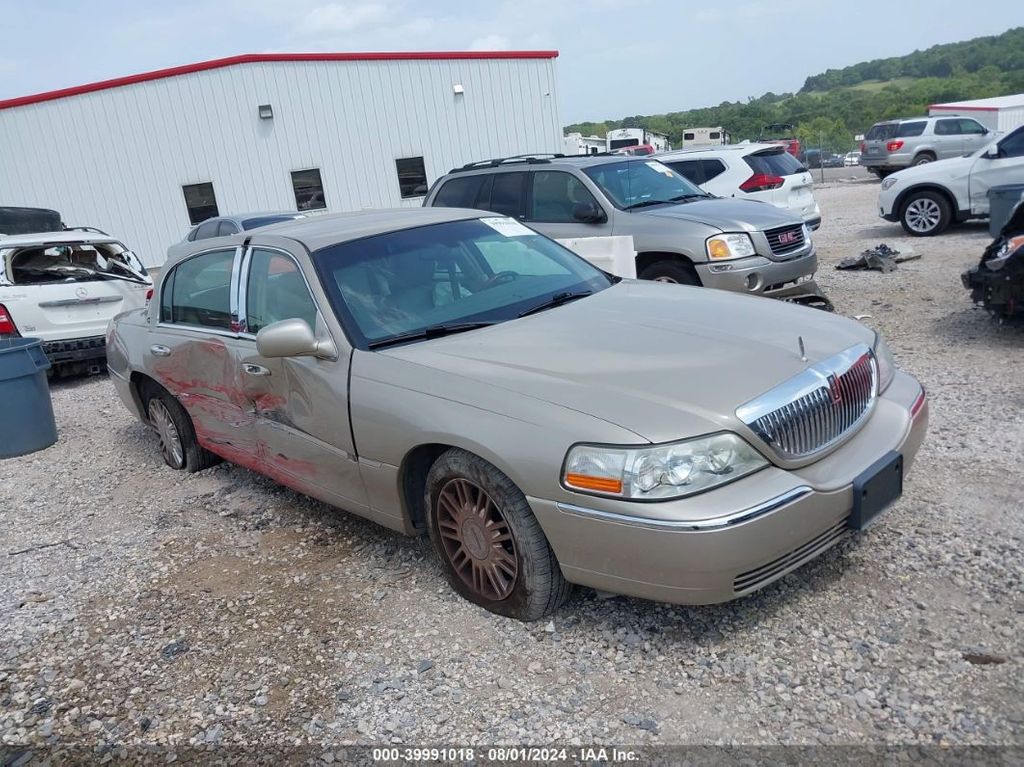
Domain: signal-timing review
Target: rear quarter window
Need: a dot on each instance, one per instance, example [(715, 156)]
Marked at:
[(909, 130), (458, 192), (881, 132)]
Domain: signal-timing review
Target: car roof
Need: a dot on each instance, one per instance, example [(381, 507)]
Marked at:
[(69, 236), (316, 232), (751, 148), (239, 217)]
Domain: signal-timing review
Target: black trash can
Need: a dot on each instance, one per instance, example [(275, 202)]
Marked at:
[(1001, 202), (26, 412)]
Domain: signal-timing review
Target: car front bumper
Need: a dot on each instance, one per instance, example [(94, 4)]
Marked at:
[(757, 275), (728, 542)]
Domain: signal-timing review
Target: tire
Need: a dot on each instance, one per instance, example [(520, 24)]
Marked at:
[(923, 159), (519, 576), (178, 444), (924, 214), (670, 271)]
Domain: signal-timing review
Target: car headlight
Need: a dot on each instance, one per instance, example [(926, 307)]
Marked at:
[(886, 364), (889, 183), (807, 235), (660, 472), (724, 246)]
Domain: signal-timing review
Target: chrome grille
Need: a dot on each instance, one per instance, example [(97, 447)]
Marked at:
[(785, 239), (817, 408)]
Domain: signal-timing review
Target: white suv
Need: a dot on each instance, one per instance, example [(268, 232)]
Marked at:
[(928, 198), (765, 172), (64, 287)]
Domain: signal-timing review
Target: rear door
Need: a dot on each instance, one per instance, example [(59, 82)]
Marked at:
[(54, 297), (948, 139), (299, 404), (194, 352)]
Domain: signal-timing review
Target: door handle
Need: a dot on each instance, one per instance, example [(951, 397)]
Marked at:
[(255, 370), (159, 350)]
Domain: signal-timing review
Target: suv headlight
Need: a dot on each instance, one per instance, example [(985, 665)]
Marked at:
[(723, 246), (886, 364), (889, 183), (660, 472)]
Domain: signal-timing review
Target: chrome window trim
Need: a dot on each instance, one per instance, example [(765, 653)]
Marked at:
[(243, 289), (691, 525), (165, 277)]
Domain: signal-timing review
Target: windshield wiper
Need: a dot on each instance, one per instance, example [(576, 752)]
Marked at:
[(432, 331), (646, 203), (556, 300), (684, 197)]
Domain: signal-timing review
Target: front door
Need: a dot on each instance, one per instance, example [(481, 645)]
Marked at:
[(987, 172), (554, 201), (300, 404)]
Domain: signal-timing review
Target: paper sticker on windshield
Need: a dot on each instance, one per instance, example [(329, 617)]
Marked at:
[(659, 167), (507, 227)]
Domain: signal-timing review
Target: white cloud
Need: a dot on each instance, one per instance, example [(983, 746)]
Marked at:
[(342, 17), (490, 42)]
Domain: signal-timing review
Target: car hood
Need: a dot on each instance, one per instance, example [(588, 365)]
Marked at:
[(727, 214), (663, 361)]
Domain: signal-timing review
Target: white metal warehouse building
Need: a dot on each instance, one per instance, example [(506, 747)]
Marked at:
[(999, 113), (144, 157)]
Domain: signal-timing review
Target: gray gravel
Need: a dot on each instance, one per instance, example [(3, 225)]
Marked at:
[(219, 608)]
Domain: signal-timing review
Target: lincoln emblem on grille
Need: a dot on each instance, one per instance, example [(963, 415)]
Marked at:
[(834, 390), (785, 238)]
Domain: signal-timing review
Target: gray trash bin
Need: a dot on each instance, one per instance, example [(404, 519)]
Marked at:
[(26, 412), (1001, 202)]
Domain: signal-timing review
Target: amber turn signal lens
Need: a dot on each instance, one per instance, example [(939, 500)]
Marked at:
[(601, 484), (719, 249)]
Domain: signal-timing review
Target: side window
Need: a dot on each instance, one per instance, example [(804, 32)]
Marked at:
[(200, 290), (226, 228), (555, 194), (507, 192), (276, 291), (714, 135), (458, 192), (909, 130), (1012, 145), (691, 170), (200, 202), (688, 137), (947, 127), (972, 127), (207, 230), (712, 168)]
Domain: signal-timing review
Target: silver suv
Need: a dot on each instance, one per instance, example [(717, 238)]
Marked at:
[(681, 234), (895, 144)]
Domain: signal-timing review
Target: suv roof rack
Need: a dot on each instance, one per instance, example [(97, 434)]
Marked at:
[(529, 159)]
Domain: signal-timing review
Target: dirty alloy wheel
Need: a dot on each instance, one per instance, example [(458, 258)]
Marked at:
[(669, 271), (925, 214), (923, 159), (491, 547), (173, 426)]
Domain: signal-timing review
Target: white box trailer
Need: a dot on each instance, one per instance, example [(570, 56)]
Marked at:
[(577, 143), (704, 137), (1000, 113), (623, 138)]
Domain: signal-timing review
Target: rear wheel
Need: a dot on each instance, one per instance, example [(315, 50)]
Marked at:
[(178, 444), (670, 271), (925, 214), (490, 544), (924, 158)]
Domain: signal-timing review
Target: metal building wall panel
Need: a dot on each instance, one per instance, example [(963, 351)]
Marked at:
[(117, 158)]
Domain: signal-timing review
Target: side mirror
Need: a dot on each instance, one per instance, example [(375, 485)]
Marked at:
[(992, 152), (588, 213), (292, 338)]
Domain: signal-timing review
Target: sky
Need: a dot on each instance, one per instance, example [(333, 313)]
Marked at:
[(617, 57)]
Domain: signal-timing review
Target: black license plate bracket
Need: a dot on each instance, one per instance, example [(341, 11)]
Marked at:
[(875, 489)]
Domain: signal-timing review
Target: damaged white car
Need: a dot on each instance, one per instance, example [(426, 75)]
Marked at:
[(64, 287)]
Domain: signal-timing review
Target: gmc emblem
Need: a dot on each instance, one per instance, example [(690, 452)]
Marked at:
[(835, 392), (785, 238)]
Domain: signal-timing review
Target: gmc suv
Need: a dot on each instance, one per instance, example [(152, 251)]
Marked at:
[(680, 233), (894, 144)]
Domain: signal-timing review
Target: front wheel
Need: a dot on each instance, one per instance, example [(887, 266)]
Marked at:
[(490, 544), (925, 214), (670, 271)]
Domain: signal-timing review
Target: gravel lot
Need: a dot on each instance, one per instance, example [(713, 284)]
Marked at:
[(218, 608)]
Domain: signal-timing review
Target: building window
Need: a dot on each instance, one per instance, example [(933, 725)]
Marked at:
[(309, 189), (412, 176), (200, 202)]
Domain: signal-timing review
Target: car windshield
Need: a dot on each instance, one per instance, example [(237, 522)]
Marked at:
[(449, 277), (638, 183)]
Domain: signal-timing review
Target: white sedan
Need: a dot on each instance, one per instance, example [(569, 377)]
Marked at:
[(926, 199), (765, 172), (64, 287)]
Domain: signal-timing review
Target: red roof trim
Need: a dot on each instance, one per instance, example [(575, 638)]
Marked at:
[(258, 58), (962, 109)]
